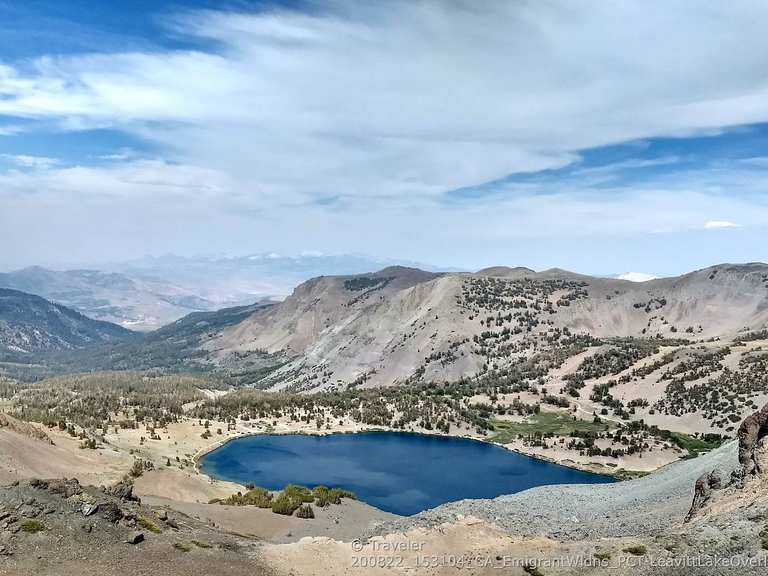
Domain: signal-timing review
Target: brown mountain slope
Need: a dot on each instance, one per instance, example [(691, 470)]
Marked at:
[(402, 324)]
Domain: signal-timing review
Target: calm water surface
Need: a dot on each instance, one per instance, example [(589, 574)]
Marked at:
[(398, 472)]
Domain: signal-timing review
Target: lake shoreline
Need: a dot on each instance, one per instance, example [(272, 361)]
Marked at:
[(618, 475), (404, 456)]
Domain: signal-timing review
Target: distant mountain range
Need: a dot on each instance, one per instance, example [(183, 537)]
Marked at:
[(30, 324), (151, 292)]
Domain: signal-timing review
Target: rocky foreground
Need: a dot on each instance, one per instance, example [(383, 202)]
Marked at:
[(61, 528)]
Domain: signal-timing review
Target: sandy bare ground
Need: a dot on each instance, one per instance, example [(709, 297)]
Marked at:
[(468, 547), (344, 522), (25, 457), (183, 486)]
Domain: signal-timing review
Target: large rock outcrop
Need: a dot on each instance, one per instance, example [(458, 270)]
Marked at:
[(753, 461), (751, 434)]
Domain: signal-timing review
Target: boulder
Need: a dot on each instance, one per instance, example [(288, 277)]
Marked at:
[(111, 512), (88, 509), (703, 490), (124, 491), (135, 538), (172, 523), (64, 487)]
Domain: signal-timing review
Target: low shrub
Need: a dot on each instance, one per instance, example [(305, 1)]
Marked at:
[(147, 524), (32, 526), (299, 493), (325, 496), (256, 496), (284, 505), (638, 550), (305, 511)]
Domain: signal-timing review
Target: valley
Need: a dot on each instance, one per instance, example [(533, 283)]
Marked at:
[(600, 374), (623, 379)]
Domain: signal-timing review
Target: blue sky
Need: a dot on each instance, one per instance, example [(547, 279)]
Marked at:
[(601, 137)]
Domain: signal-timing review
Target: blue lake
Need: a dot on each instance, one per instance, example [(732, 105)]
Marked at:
[(398, 472)]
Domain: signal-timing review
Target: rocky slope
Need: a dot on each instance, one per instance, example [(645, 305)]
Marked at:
[(402, 324), (60, 527), (30, 324)]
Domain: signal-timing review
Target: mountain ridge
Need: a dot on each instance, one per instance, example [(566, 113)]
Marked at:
[(30, 324), (387, 330), (148, 293)]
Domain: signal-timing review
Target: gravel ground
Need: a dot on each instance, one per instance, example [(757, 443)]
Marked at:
[(575, 512)]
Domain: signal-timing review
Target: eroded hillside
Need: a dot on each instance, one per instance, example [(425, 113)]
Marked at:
[(400, 323)]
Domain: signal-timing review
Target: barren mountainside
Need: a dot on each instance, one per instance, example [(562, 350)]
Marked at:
[(402, 324)]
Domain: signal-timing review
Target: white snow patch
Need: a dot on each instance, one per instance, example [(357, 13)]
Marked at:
[(636, 276)]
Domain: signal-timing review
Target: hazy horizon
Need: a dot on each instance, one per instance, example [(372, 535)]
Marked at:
[(380, 261)]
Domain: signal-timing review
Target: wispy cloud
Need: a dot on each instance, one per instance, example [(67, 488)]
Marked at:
[(33, 162), (720, 224), (9, 129), (385, 108), (414, 98)]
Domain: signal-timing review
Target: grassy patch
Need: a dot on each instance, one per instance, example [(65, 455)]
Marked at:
[(182, 546), (638, 550), (200, 544), (554, 423), (32, 526), (147, 524), (693, 445), (622, 474), (602, 556)]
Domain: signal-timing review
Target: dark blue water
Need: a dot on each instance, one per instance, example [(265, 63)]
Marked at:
[(395, 471)]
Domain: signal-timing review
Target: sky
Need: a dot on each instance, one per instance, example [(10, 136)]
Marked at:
[(602, 137)]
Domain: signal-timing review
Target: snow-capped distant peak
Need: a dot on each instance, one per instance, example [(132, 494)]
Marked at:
[(636, 276)]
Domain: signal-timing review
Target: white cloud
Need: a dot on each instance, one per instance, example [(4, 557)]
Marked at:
[(32, 162), (138, 180), (720, 224), (383, 107), (413, 98)]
